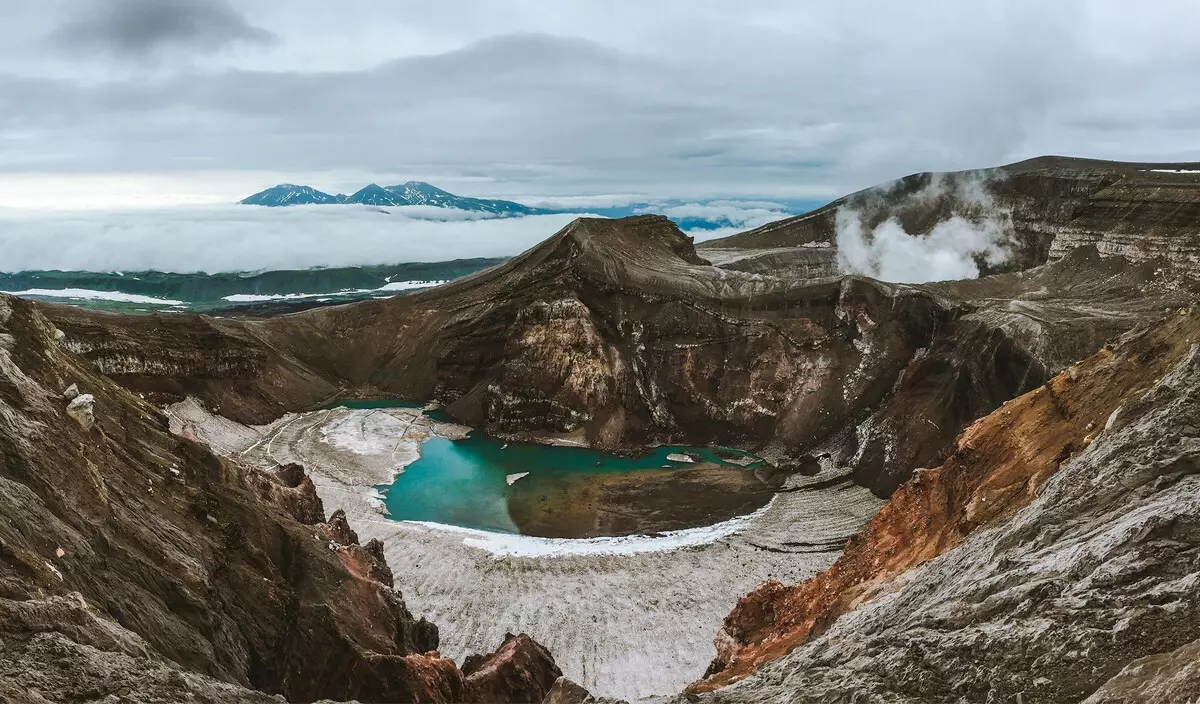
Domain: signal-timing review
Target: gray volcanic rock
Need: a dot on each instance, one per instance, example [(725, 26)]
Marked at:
[(1089, 589), (1171, 678)]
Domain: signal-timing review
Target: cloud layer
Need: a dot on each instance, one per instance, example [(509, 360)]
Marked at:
[(244, 238)]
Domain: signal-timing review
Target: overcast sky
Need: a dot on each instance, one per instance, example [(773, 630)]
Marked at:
[(160, 101)]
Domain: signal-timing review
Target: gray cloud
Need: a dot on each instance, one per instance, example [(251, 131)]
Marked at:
[(695, 100), (141, 28)]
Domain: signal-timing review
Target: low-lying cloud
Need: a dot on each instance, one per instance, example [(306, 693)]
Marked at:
[(242, 238), (722, 213)]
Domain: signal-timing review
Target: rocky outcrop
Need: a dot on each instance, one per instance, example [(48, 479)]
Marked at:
[(565, 691), (135, 561), (338, 530), (166, 358), (289, 490), (519, 670), (1053, 549), (82, 408), (1171, 678)]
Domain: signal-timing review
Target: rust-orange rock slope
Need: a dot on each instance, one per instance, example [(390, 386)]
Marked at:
[(1003, 462)]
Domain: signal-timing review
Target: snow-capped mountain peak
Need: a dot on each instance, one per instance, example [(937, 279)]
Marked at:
[(405, 194)]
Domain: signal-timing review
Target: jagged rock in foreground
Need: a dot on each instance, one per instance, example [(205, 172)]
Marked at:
[(136, 565), (565, 691), (1058, 544), (520, 670), (1162, 677)]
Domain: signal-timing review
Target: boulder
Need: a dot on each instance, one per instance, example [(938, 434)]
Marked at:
[(520, 670), (83, 409), (565, 691)]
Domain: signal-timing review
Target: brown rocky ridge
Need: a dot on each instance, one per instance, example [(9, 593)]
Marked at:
[(1050, 204), (136, 565)]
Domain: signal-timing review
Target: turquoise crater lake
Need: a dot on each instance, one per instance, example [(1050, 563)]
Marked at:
[(569, 492)]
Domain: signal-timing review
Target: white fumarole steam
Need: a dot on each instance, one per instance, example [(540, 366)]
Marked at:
[(947, 252)]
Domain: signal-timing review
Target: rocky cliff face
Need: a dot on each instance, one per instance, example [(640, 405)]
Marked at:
[(134, 562), (1054, 548), (165, 358)]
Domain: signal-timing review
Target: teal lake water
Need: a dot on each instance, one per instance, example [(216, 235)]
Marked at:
[(463, 482)]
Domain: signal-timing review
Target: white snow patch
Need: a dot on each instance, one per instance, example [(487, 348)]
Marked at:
[(405, 285), (90, 295), (393, 286)]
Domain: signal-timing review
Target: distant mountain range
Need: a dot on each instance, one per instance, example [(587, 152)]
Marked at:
[(421, 193), (411, 193)]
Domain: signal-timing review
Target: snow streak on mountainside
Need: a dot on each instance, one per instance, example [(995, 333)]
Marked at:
[(290, 194)]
